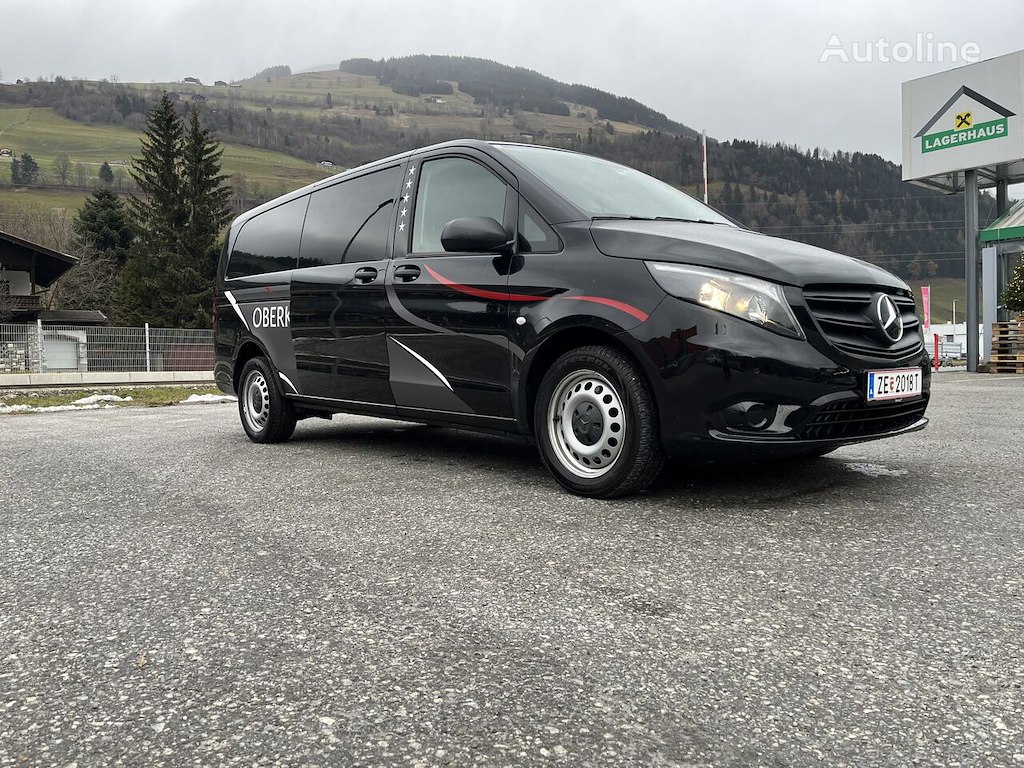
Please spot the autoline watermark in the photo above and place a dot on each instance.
(923, 49)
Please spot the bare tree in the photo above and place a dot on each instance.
(88, 284)
(7, 301)
(62, 167)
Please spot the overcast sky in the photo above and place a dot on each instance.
(747, 68)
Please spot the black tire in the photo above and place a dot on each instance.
(596, 425)
(266, 416)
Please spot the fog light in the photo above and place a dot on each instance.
(750, 415)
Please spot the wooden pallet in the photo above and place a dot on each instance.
(1007, 347)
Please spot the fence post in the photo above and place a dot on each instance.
(39, 345)
(147, 347)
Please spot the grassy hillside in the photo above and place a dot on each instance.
(275, 129)
(45, 135)
(362, 96)
(944, 291)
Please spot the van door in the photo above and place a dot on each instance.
(447, 316)
(337, 292)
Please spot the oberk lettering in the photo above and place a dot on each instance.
(271, 317)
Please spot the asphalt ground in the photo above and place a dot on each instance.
(373, 593)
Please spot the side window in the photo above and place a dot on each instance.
(451, 188)
(535, 236)
(348, 222)
(269, 242)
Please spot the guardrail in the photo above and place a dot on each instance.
(34, 348)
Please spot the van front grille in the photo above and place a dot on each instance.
(844, 317)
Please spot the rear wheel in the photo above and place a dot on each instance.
(595, 424)
(266, 416)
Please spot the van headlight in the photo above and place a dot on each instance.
(756, 301)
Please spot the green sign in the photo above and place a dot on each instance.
(994, 129)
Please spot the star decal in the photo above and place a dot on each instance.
(401, 227)
(404, 211)
(405, 199)
(408, 184)
(412, 169)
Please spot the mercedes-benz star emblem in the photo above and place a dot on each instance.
(888, 318)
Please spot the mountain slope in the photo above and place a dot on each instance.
(848, 202)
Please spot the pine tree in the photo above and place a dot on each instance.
(168, 278)
(159, 213)
(29, 169)
(103, 223)
(206, 206)
(1013, 298)
(106, 174)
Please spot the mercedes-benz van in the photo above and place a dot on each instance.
(523, 289)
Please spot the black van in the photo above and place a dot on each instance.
(536, 291)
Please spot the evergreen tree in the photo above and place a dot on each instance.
(24, 170)
(1013, 298)
(206, 206)
(106, 174)
(168, 277)
(159, 213)
(103, 223)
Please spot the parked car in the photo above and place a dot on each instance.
(523, 289)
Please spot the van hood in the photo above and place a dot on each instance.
(717, 246)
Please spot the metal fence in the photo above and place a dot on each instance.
(38, 348)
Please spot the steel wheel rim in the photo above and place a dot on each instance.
(256, 401)
(582, 445)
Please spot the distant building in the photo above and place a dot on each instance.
(221, 83)
(5, 152)
(326, 163)
(194, 80)
(197, 97)
(435, 100)
(26, 270)
(235, 85)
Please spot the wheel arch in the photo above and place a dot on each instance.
(249, 349)
(540, 359)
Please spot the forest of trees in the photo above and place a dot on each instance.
(513, 88)
(853, 203)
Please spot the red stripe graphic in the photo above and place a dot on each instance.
(629, 309)
(481, 293)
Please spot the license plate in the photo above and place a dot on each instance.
(894, 385)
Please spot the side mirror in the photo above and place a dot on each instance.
(474, 234)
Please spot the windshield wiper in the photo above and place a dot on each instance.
(690, 221)
(625, 217)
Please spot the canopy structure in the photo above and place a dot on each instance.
(1009, 226)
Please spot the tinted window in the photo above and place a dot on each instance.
(269, 242)
(349, 221)
(449, 189)
(535, 236)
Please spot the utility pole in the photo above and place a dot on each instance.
(704, 148)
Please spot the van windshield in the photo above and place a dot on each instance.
(604, 189)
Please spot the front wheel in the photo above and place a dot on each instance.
(596, 425)
(266, 416)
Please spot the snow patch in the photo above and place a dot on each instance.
(51, 408)
(210, 399)
(874, 470)
(93, 399)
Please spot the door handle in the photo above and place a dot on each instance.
(406, 273)
(366, 275)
